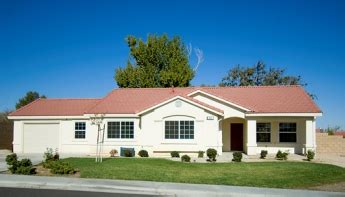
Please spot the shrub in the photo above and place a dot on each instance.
(201, 154)
(185, 158)
(59, 167)
(51, 155)
(128, 153)
(282, 155)
(48, 164)
(263, 154)
(11, 159)
(175, 154)
(143, 153)
(23, 166)
(211, 154)
(237, 156)
(48, 155)
(25, 170)
(310, 155)
(113, 152)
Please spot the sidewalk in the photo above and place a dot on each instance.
(149, 188)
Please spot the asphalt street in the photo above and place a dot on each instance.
(24, 192)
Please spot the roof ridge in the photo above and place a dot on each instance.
(100, 100)
(73, 98)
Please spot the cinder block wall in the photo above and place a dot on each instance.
(330, 143)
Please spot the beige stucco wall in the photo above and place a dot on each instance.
(148, 132)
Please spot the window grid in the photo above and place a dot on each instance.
(287, 132)
(113, 130)
(263, 132)
(124, 130)
(79, 130)
(179, 129)
(171, 129)
(187, 129)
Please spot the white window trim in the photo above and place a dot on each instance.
(279, 132)
(179, 140)
(79, 139)
(106, 139)
(270, 132)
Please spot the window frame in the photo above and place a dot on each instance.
(188, 130)
(123, 132)
(265, 132)
(78, 129)
(288, 132)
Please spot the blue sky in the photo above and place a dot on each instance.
(71, 48)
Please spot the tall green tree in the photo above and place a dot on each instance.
(158, 62)
(259, 75)
(28, 98)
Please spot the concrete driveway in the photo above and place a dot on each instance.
(35, 159)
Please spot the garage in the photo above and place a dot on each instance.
(40, 136)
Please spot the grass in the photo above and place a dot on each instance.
(258, 174)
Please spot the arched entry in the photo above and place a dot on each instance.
(233, 134)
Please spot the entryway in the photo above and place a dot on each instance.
(236, 137)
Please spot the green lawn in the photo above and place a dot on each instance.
(259, 174)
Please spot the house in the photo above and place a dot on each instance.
(161, 120)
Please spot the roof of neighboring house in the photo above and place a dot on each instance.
(340, 133)
(257, 99)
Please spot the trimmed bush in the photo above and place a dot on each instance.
(11, 159)
(237, 156)
(143, 153)
(128, 153)
(59, 167)
(23, 166)
(263, 154)
(211, 154)
(201, 154)
(310, 155)
(175, 154)
(185, 158)
(113, 152)
(282, 155)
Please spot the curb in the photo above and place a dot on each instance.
(147, 187)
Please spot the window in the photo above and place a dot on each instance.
(79, 128)
(287, 132)
(179, 129)
(263, 132)
(123, 129)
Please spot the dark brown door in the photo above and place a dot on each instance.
(236, 136)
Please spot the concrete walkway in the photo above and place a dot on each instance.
(149, 188)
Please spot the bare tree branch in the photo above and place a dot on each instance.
(200, 58)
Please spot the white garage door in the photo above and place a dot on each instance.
(38, 137)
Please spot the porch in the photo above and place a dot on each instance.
(251, 135)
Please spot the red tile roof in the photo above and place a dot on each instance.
(258, 99)
(56, 107)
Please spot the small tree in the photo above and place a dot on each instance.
(28, 98)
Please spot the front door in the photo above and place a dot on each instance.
(236, 136)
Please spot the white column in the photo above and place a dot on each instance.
(310, 135)
(220, 137)
(251, 137)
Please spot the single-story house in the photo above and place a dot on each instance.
(161, 120)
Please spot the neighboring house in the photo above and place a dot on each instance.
(161, 120)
